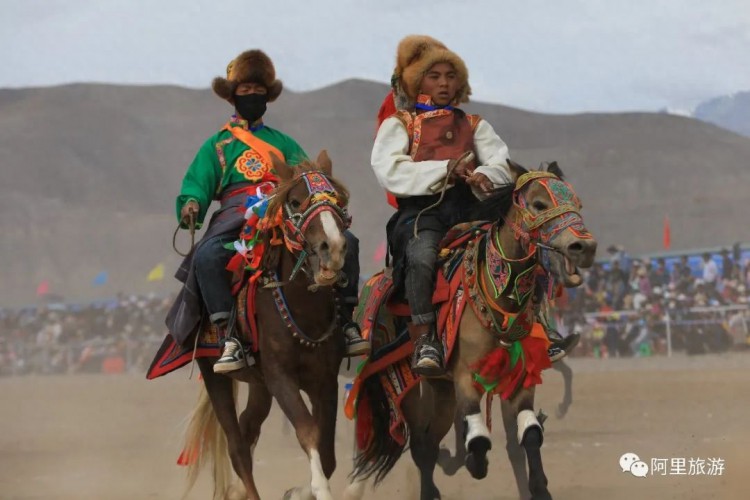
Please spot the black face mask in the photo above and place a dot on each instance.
(251, 106)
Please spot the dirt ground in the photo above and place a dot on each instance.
(117, 437)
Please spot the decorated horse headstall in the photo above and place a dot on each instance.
(565, 211)
(322, 198)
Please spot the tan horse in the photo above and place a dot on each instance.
(300, 343)
(538, 231)
(452, 463)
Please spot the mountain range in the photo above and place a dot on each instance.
(88, 175)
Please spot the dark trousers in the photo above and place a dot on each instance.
(421, 256)
(214, 280)
(350, 292)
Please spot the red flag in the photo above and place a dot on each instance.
(43, 288)
(380, 252)
(667, 233)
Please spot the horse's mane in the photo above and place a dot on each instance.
(498, 204)
(281, 193)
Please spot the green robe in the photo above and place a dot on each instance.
(223, 160)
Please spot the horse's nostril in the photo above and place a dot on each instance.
(576, 247)
(323, 247)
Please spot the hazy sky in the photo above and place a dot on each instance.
(552, 55)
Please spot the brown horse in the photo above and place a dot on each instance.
(300, 342)
(538, 231)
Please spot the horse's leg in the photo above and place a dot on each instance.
(219, 388)
(286, 390)
(516, 454)
(530, 437)
(452, 463)
(429, 421)
(258, 406)
(567, 374)
(473, 344)
(324, 405)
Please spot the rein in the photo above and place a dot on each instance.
(442, 186)
(191, 226)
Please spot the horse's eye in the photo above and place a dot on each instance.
(538, 205)
(295, 204)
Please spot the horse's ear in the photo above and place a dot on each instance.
(324, 162)
(283, 170)
(554, 168)
(516, 170)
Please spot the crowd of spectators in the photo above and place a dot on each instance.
(112, 336)
(626, 305)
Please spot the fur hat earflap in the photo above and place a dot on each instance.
(415, 55)
(252, 66)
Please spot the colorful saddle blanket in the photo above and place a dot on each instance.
(503, 371)
(172, 356)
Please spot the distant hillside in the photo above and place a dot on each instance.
(89, 174)
(730, 112)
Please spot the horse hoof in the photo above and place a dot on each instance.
(476, 458)
(448, 462)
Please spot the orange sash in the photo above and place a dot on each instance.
(262, 147)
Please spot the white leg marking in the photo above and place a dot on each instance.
(319, 483)
(526, 419)
(477, 428)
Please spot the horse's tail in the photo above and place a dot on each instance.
(378, 449)
(205, 442)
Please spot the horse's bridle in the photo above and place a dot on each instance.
(529, 227)
(322, 198)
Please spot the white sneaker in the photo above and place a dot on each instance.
(232, 358)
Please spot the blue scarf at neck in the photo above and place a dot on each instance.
(430, 107)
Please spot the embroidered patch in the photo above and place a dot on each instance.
(317, 183)
(252, 166)
(524, 284)
(498, 270)
(560, 192)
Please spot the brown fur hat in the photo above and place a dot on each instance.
(252, 66)
(415, 55)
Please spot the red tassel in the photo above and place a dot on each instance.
(187, 457)
(527, 372)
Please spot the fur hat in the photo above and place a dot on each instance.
(252, 66)
(415, 55)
